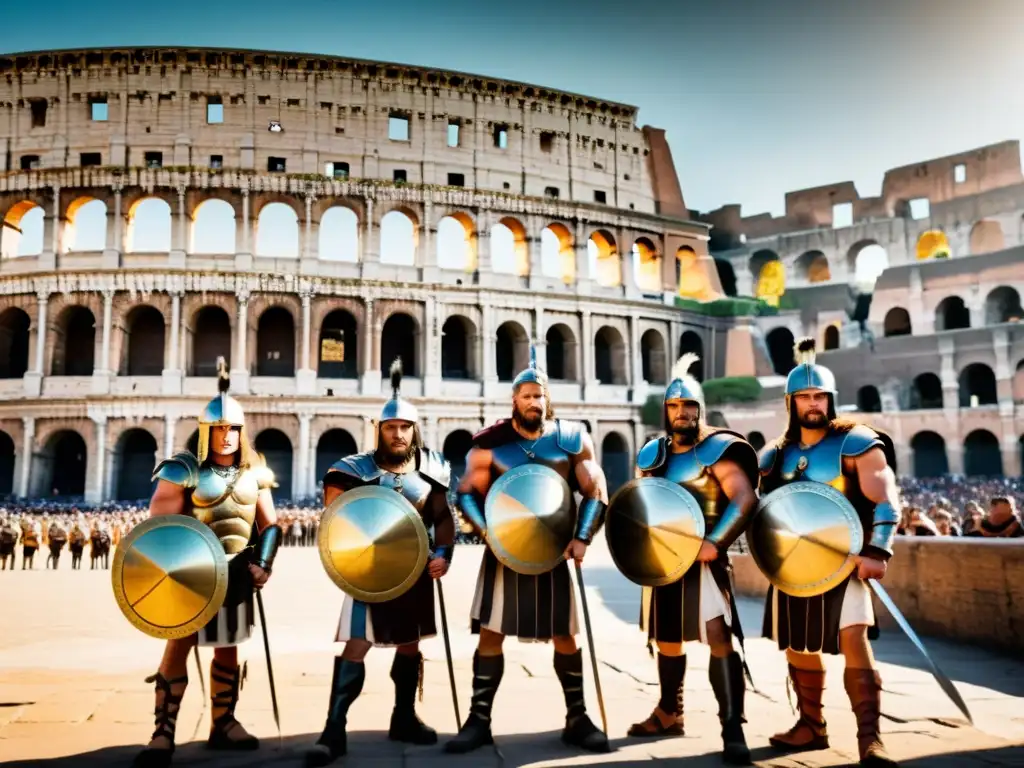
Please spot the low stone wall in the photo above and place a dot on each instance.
(968, 590)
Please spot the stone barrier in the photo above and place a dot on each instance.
(967, 590)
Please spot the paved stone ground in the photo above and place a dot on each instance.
(72, 690)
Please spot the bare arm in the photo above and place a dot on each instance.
(876, 478)
(589, 475)
(265, 512)
(477, 478)
(168, 499)
(742, 500)
(444, 524)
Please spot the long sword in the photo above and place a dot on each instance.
(590, 642)
(944, 682)
(448, 654)
(270, 668)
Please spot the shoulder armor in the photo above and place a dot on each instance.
(652, 455)
(181, 469)
(859, 440)
(264, 476)
(767, 459)
(359, 465)
(724, 443)
(569, 436)
(434, 466)
(711, 448)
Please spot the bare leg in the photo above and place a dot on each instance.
(172, 667)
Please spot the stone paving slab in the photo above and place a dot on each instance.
(72, 690)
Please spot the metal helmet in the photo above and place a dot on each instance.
(684, 386)
(396, 407)
(222, 411)
(532, 374)
(809, 375)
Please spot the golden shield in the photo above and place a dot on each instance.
(805, 538)
(655, 528)
(373, 543)
(530, 519)
(170, 576)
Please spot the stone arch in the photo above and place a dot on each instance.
(338, 349)
(1002, 305)
(512, 350)
(780, 349)
(275, 343)
(759, 259)
(458, 336)
(557, 253)
(277, 231)
(456, 446)
(7, 459)
(646, 265)
(211, 338)
(610, 356)
(812, 266)
(399, 238)
(726, 276)
(952, 314)
(214, 228)
(14, 342)
(28, 217)
(135, 460)
(333, 445)
(932, 244)
(456, 242)
(62, 465)
(691, 342)
(510, 249)
(831, 337)
(85, 227)
(756, 440)
(654, 360)
(276, 449)
(561, 353)
(929, 454)
(977, 385)
(143, 350)
(339, 234)
(605, 263)
(983, 456)
(74, 350)
(926, 392)
(866, 260)
(868, 399)
(897, 322)
(400, 337)
(615, 461)
(986, 237)
(149, 226)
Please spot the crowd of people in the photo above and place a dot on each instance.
(946, 506)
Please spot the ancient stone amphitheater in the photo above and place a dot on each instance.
(310, 219)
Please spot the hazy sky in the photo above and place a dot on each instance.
(758, 96)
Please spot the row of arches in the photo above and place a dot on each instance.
(1002, 305)
(982, 454)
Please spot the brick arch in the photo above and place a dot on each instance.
(465, 217)
(259, 305)
(28, 200)
(261, 200)
(322, 307)
(324, 204)
(413, 210)
(47, 428)
(321, 425)
(73, 199)
(57, 310)
(471, 312)
(286, 423)
(194, 198)
(192, 302)
(388, 307)
(135, 195)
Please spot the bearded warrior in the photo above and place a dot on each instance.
(858, 462)
(227, 487)
(402, 463)
(8, 540)
(719, 468)
(532, 608)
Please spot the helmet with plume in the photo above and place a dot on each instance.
(222, 411)
(683, 385)
(532, 374)
(396, 407)
(809, 376)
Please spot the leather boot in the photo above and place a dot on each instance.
(346, 685)
(226, 733)
(406, 672)
(726, 675)
(167, 706)
(476, 731)
(579, 731)
(864, 687)
(809, 733)
(667, 717)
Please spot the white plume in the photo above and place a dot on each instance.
(683, 365)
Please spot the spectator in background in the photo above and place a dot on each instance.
(1003, 520)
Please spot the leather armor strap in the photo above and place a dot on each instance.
(470, 508)
(729, 526)
(589, 519)
(270, 541)
(883, 530)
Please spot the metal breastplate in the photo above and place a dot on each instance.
(230, 510)
(410, 485)
(545, 451)
(822, 463)
(698, 479)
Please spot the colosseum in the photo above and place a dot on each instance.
(309, 219)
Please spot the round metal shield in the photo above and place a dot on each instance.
(655, 528)
(170, 576)
(805, 537)
(373, 543)
(529, 518)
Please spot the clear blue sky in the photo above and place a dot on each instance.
(758, 96)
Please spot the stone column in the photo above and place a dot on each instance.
(101, 376)
(370, 245)
(587, 371)
(172, 372)
(430, 433)
(369, 434)
(484, 266)
(33, 379)
(584, 280)
(1004, 371)
(489, 374)
(431, 354)
(947, 374)
(52, 235)
(95, 487)
(303, 489)
(310, 245)
(635, 353)
(240, 363)
(179, 233)
(113, 245)
(27, 452)
(539, 337)
(243, 256)
(370, 352)
(170, 422)
(306, 376)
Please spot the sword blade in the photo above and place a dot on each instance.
(944, 682)
(202, 679)
(270, 667)
(448, 655)
(590, 643)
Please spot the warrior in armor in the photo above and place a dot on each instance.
(858, 462)
(99, 545)
(76, 543)
(227, 487)
(538, 608)
(719, 468)
(56, 538)
(402, 463)
(31, 535)
(8, 539)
